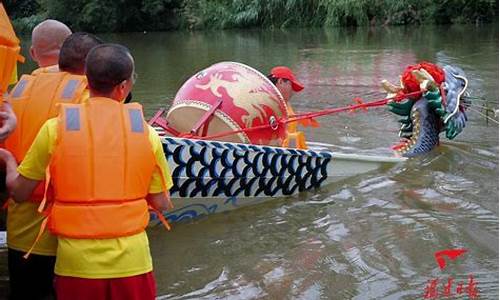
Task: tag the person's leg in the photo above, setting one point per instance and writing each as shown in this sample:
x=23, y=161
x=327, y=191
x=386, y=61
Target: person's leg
x=74, y=288
x=31, y=278
x=139, y=287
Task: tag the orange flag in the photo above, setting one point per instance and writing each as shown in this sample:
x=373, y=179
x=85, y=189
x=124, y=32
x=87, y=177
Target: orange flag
x=9, y=51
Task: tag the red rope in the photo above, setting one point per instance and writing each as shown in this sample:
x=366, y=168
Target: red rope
x=310, y=115
x=364, y=105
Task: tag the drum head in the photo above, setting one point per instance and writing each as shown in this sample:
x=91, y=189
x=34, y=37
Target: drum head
x=248, y=99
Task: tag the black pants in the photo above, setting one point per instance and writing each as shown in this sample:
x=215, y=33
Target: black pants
x=31, y=278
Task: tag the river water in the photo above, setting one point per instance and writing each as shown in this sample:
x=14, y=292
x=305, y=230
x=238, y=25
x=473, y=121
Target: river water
x=369, y=237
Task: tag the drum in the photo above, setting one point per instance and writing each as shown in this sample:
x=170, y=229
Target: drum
x=239, y=96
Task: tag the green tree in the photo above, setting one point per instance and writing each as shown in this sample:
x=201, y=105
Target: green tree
x=140, y=15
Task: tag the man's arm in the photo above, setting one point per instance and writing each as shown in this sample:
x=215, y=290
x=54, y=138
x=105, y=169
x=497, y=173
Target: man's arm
x=159, y=197
x=19, y=186
x=159, y=201
x=8, y=121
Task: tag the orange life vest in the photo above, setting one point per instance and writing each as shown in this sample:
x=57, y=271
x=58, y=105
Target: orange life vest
x=101, y=170
x=34, y=100
x=293, y=134
x=9, y=51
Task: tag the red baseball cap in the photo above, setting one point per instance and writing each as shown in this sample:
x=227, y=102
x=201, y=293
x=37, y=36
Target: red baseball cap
x=286, y=73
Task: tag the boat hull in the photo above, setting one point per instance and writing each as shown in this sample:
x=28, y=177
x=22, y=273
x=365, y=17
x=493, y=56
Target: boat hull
x=211, y=177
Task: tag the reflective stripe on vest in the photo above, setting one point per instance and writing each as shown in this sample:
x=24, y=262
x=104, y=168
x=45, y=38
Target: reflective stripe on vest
x=34, y=100
x=19, y=89
x=136, y=121
x=72, y=119
x=69, y=89
x=101, y=170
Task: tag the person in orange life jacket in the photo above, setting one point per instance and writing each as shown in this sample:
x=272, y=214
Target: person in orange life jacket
x=46, y=40
x=47, y=37
x=101, y=154
x=9, y=51
x=35, y=100
x=286, y=82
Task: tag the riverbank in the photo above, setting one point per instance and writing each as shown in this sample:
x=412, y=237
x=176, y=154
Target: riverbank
x=162, y=15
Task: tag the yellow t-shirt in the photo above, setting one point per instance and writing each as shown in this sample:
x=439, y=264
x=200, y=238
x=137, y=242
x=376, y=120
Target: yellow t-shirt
x=23, y=225
x=24, y=221
x=96, y=258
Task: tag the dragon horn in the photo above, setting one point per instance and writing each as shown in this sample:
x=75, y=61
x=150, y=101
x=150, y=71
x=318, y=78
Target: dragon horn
x=390, y=88
x=422, y=75
x=427, y=82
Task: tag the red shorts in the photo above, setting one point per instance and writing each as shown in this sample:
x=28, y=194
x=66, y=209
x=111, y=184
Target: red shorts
x=127, y=288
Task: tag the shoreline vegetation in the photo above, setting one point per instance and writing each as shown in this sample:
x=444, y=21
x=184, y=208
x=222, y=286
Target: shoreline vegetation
x=99, y=16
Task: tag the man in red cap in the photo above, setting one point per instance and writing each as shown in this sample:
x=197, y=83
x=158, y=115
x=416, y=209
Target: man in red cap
x=284, y=79
x=286, y=82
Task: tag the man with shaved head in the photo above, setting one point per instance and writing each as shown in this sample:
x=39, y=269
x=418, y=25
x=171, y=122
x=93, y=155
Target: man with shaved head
x=46, y=41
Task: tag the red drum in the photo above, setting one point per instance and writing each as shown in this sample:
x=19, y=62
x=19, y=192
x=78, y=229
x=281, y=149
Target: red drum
x=245, y=99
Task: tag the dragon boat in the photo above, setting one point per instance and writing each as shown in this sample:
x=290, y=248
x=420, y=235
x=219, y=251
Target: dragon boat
x=211, y=176
x=224, y=132
x=222, y=139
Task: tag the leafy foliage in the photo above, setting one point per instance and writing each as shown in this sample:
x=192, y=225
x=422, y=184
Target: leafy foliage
x=133, y=15
x=324, y=13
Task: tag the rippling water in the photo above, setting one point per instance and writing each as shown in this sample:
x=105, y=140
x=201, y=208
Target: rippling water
x=371, y=236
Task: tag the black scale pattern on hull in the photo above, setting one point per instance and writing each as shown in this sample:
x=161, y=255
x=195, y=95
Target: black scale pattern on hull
x=218, y=169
